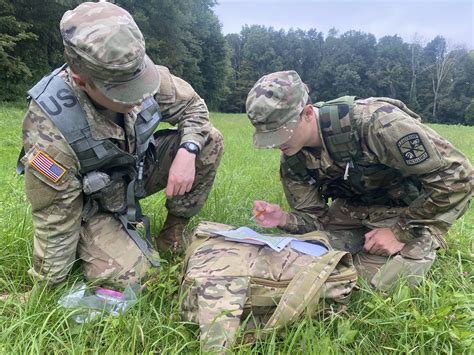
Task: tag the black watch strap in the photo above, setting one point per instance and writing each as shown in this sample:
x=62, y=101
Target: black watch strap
x=190, y=147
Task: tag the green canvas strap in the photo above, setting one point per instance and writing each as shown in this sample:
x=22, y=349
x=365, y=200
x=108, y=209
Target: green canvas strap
x=304, y=290
x=342, y=146
x=296, y=164
x=334, y=116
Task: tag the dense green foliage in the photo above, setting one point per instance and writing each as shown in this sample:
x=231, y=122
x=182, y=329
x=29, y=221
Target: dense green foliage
x=433, y=318
x=12, y=33
x=186, y=36
x=37, y=51
x=433, y=81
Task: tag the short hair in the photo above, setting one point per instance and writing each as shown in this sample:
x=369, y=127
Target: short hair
x=77, y=71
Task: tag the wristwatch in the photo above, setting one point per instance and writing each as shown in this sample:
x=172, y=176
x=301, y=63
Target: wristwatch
x=190, y=147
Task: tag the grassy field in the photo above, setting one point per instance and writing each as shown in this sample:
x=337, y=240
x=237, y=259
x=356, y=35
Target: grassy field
x=436, y=317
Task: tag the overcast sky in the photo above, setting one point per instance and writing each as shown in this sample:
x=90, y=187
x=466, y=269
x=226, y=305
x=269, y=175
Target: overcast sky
x=428, y=18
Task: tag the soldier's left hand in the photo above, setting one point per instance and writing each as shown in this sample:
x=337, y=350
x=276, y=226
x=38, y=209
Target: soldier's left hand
x=382, y=241
x=182, y=173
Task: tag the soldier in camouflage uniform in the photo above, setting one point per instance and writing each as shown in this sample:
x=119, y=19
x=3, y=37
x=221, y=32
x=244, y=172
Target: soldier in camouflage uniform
x=396, y=185
x=109, y=76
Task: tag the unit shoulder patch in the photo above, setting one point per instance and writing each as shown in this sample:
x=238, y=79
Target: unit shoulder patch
x=47, y=166
x=412, y=149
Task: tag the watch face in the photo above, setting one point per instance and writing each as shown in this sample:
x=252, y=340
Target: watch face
x=190, y=147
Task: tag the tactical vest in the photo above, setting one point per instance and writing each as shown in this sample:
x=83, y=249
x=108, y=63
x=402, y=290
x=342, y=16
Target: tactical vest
x=341, y=135
x=101, y=161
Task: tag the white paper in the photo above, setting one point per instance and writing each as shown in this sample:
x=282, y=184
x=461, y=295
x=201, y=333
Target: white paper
x=308, y=248
x=248, y=235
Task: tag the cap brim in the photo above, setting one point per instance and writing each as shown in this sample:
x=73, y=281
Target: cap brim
x=133, y=91
x=274, y=139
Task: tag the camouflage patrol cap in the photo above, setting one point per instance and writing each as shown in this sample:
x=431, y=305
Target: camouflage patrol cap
x=103, y=42
x=273, y=107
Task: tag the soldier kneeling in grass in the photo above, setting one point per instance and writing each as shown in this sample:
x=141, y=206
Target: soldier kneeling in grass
x=396, y=185
x=92, y=152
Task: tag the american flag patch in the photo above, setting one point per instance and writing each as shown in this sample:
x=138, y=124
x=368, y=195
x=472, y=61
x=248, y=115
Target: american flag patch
x=47, y=166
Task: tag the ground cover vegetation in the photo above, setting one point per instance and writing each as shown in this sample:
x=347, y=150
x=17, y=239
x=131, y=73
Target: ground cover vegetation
x=435, y=317
x=433, y=77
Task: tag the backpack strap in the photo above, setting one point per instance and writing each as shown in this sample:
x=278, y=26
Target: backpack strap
x=304, y=290
x=339, y=129
x=296, y=164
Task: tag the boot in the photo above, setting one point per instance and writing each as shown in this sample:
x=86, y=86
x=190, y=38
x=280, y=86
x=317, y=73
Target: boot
x=171, y=235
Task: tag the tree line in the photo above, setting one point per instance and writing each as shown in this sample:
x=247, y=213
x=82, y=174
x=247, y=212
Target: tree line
x=186, y=36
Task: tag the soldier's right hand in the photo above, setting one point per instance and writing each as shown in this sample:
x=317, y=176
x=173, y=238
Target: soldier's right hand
x=268, y=215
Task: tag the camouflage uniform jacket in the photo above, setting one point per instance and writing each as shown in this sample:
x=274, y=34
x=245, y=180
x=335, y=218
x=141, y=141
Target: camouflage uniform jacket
x=395, y=144
x=57, y=206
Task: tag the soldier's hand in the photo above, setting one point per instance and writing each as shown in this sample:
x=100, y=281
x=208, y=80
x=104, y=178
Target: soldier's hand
x=382, y=241
x=268, y=215
x=182, y=173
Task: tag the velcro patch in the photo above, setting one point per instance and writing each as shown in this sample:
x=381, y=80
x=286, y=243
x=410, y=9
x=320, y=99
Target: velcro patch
x=47, y=166
x=412, y=149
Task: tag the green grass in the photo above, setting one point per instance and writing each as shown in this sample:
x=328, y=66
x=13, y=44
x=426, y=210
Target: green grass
x=436, y=317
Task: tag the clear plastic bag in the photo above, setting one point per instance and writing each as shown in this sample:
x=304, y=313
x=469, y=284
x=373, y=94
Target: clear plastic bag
x=98, y=302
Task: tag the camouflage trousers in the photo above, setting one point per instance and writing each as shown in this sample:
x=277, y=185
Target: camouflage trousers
x=347, y=225
x=108, y=253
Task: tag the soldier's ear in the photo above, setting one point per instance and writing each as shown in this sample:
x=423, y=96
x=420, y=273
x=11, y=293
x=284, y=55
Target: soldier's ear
x=308, y=113
x=79, y=81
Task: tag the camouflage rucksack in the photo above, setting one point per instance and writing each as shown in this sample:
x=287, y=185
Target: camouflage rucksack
x=225, y=283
